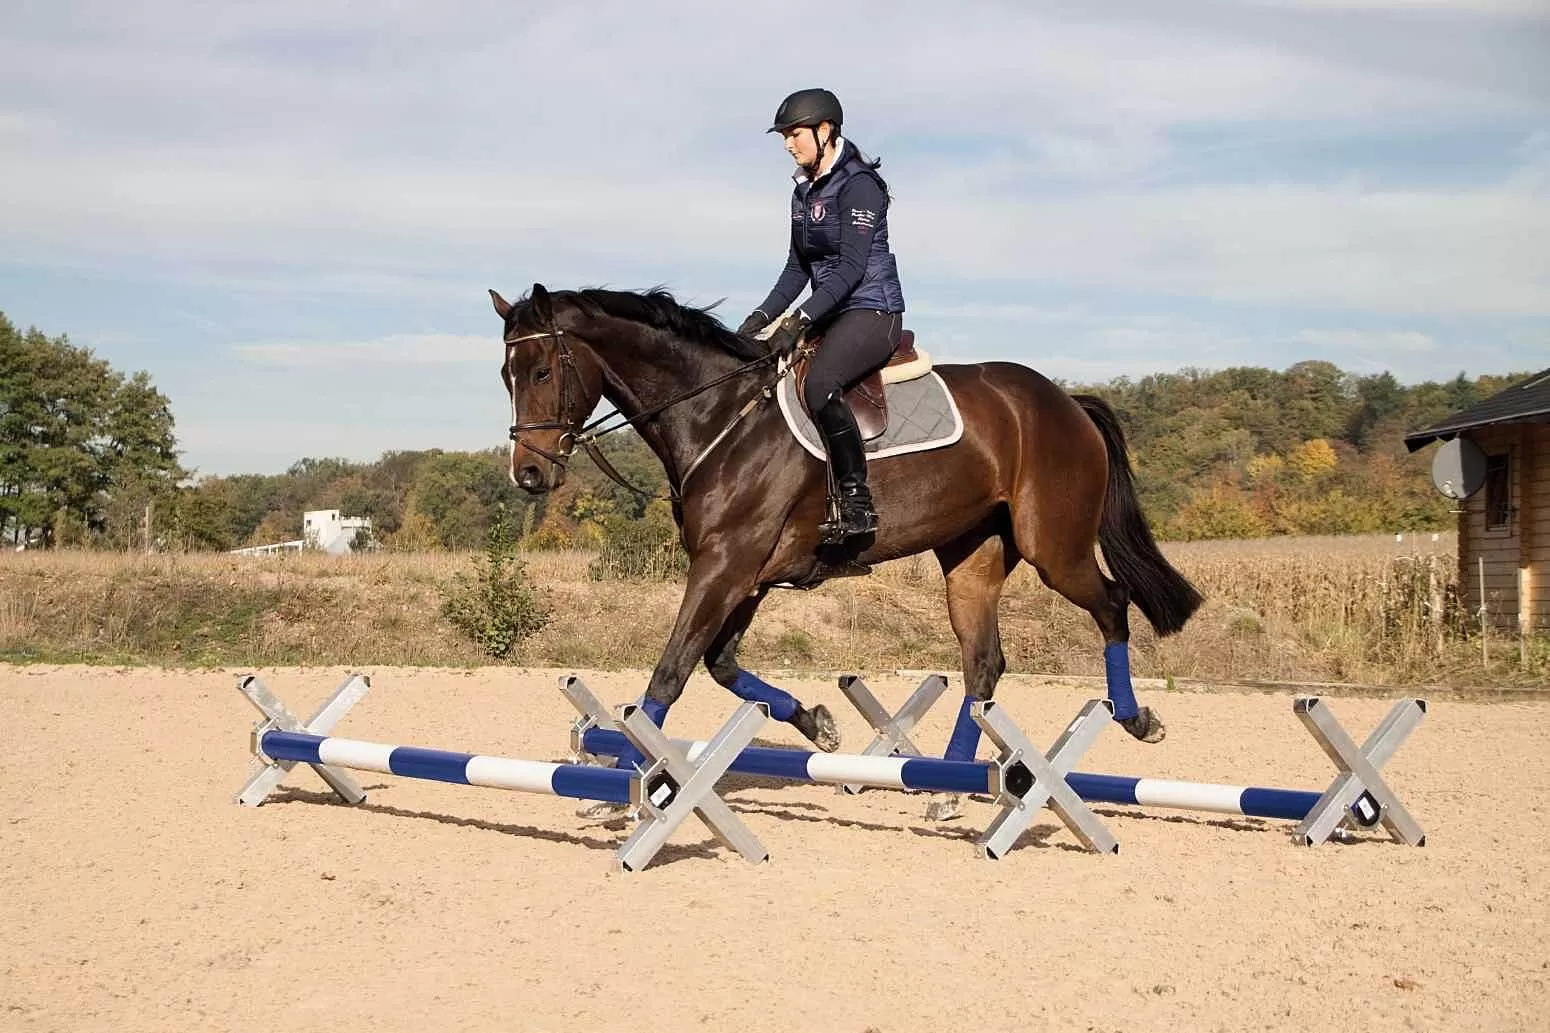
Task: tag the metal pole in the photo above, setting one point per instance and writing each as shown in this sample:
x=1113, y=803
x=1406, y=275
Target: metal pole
x=1485, y=650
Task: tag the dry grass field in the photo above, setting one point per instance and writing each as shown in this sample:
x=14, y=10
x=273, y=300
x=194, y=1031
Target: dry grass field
x=1368, y=610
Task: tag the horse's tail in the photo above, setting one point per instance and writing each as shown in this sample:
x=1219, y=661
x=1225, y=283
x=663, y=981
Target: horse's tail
x=1162, y=593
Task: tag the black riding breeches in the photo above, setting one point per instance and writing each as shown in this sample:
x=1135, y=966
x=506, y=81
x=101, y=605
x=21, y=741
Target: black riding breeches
x=856, y=343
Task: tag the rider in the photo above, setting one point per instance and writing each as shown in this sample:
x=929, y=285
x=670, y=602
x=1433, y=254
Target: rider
x=839, y=244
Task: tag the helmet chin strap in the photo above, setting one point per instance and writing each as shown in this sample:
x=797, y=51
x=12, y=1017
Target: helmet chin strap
x=819, y=149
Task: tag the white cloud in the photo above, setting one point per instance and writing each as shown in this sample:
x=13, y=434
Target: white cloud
x=386, y=169
x=111, y=339
x=273, y=444
x=633, y=90
x=396, y=349
x=1074, y=344
x=297, y=144
x=995, y=312
x=1534, y=340
x=1367, y=341
x=1472, y=8
x=1352, y=246
x=1375, y=249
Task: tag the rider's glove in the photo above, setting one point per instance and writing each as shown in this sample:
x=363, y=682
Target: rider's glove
x=755, y=322
x=789, y=333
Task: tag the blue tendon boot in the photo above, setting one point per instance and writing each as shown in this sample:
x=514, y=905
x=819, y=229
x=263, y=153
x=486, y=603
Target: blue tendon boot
x=816, y=723
x=603, y=812
x=1140, y=722
x=629, y=756
x=961, y=747
x=966, y=735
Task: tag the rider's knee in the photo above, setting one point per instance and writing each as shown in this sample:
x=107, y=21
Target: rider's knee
x=817, y=395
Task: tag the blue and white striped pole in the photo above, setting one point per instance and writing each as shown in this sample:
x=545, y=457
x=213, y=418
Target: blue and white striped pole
x=950, y=776
x=578, y=781
x=926, y=773
x=667, y=790
x=1023, y=779
x=1249, y=801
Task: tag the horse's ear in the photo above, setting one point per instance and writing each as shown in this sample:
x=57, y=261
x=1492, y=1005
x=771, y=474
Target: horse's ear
x=543, y=305
x=502, y=306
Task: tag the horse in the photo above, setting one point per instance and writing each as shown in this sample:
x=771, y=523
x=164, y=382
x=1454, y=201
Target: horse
x=1037, y=476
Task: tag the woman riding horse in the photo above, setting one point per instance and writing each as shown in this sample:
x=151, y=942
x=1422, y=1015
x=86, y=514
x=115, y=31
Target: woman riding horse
x=1038, y=476
x=839, y=244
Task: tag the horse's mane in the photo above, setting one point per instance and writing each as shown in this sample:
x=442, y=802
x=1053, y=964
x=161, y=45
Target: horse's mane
x=658, y=308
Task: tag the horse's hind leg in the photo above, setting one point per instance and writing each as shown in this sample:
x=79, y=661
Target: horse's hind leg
x=721, y=661
x=1075, y=574
x=976, y=568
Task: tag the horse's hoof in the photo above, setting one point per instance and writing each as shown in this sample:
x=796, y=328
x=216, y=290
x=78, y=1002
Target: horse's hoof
x=604, y=813
x=818, y=725
x=1146, y=726
x=943, y=808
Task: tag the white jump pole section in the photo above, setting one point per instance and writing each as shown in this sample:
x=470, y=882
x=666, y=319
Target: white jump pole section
x=668, y=790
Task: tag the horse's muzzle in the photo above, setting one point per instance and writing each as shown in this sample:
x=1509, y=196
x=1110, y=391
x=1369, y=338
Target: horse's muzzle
x=535, y=481
x=531, y=479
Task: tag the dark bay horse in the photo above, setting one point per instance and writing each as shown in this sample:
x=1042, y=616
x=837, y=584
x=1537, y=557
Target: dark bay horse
x=1038, y=476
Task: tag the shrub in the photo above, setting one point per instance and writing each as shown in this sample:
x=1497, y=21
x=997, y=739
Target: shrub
x=647, y=549
x=497, y=607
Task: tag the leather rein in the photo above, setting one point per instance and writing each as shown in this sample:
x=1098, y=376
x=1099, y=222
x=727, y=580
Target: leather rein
x=573, y=437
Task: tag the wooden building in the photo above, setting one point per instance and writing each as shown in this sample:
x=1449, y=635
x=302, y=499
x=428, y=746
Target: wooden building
x=1504, y=524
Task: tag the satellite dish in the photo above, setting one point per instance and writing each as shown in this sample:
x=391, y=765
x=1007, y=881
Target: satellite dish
x=1458, y=468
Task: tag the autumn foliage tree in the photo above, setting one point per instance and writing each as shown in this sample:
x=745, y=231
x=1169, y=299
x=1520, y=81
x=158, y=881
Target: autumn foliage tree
x=1309, y=450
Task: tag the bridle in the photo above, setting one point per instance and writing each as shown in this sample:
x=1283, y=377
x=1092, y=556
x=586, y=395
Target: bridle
x=573, y=437
x=563, y=420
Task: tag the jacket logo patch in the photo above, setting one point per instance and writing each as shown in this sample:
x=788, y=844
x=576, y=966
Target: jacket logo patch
x=818, y=211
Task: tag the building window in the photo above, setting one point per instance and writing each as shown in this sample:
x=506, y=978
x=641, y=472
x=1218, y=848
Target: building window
x=1498, y=492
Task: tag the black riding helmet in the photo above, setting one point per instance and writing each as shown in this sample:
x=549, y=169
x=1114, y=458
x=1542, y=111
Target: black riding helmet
x=807, y=108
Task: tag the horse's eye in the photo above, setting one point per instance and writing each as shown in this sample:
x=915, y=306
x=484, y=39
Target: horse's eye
x=541, y=375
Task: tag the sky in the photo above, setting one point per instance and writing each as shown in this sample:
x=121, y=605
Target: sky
x=289, y=213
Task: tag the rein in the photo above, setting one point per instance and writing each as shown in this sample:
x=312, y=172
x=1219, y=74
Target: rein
x=586, y=437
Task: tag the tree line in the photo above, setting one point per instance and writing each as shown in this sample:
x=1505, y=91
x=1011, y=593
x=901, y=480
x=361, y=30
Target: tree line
x=1247, y=452
x=88, y=457
x=85, y=451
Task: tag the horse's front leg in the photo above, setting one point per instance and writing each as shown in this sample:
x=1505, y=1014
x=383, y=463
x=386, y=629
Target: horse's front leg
x=815, y=722
x=718, y=580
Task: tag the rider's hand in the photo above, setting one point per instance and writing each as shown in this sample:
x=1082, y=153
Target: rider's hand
x=755, y=322
x=789, y=333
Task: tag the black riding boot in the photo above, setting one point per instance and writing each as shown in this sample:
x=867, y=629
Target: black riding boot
x=842, y=440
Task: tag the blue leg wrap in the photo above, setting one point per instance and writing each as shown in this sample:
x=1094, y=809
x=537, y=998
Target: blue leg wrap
x=783, y=705
x=1116, y=671
x=629, y=755
x=966, y=735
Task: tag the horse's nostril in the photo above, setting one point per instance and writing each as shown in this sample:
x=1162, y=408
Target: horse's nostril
x=528, y=478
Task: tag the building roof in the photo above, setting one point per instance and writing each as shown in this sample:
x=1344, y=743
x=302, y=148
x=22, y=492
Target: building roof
x=1527, y=401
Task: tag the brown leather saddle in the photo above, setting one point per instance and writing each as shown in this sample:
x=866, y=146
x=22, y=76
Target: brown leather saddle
x=867, y=399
